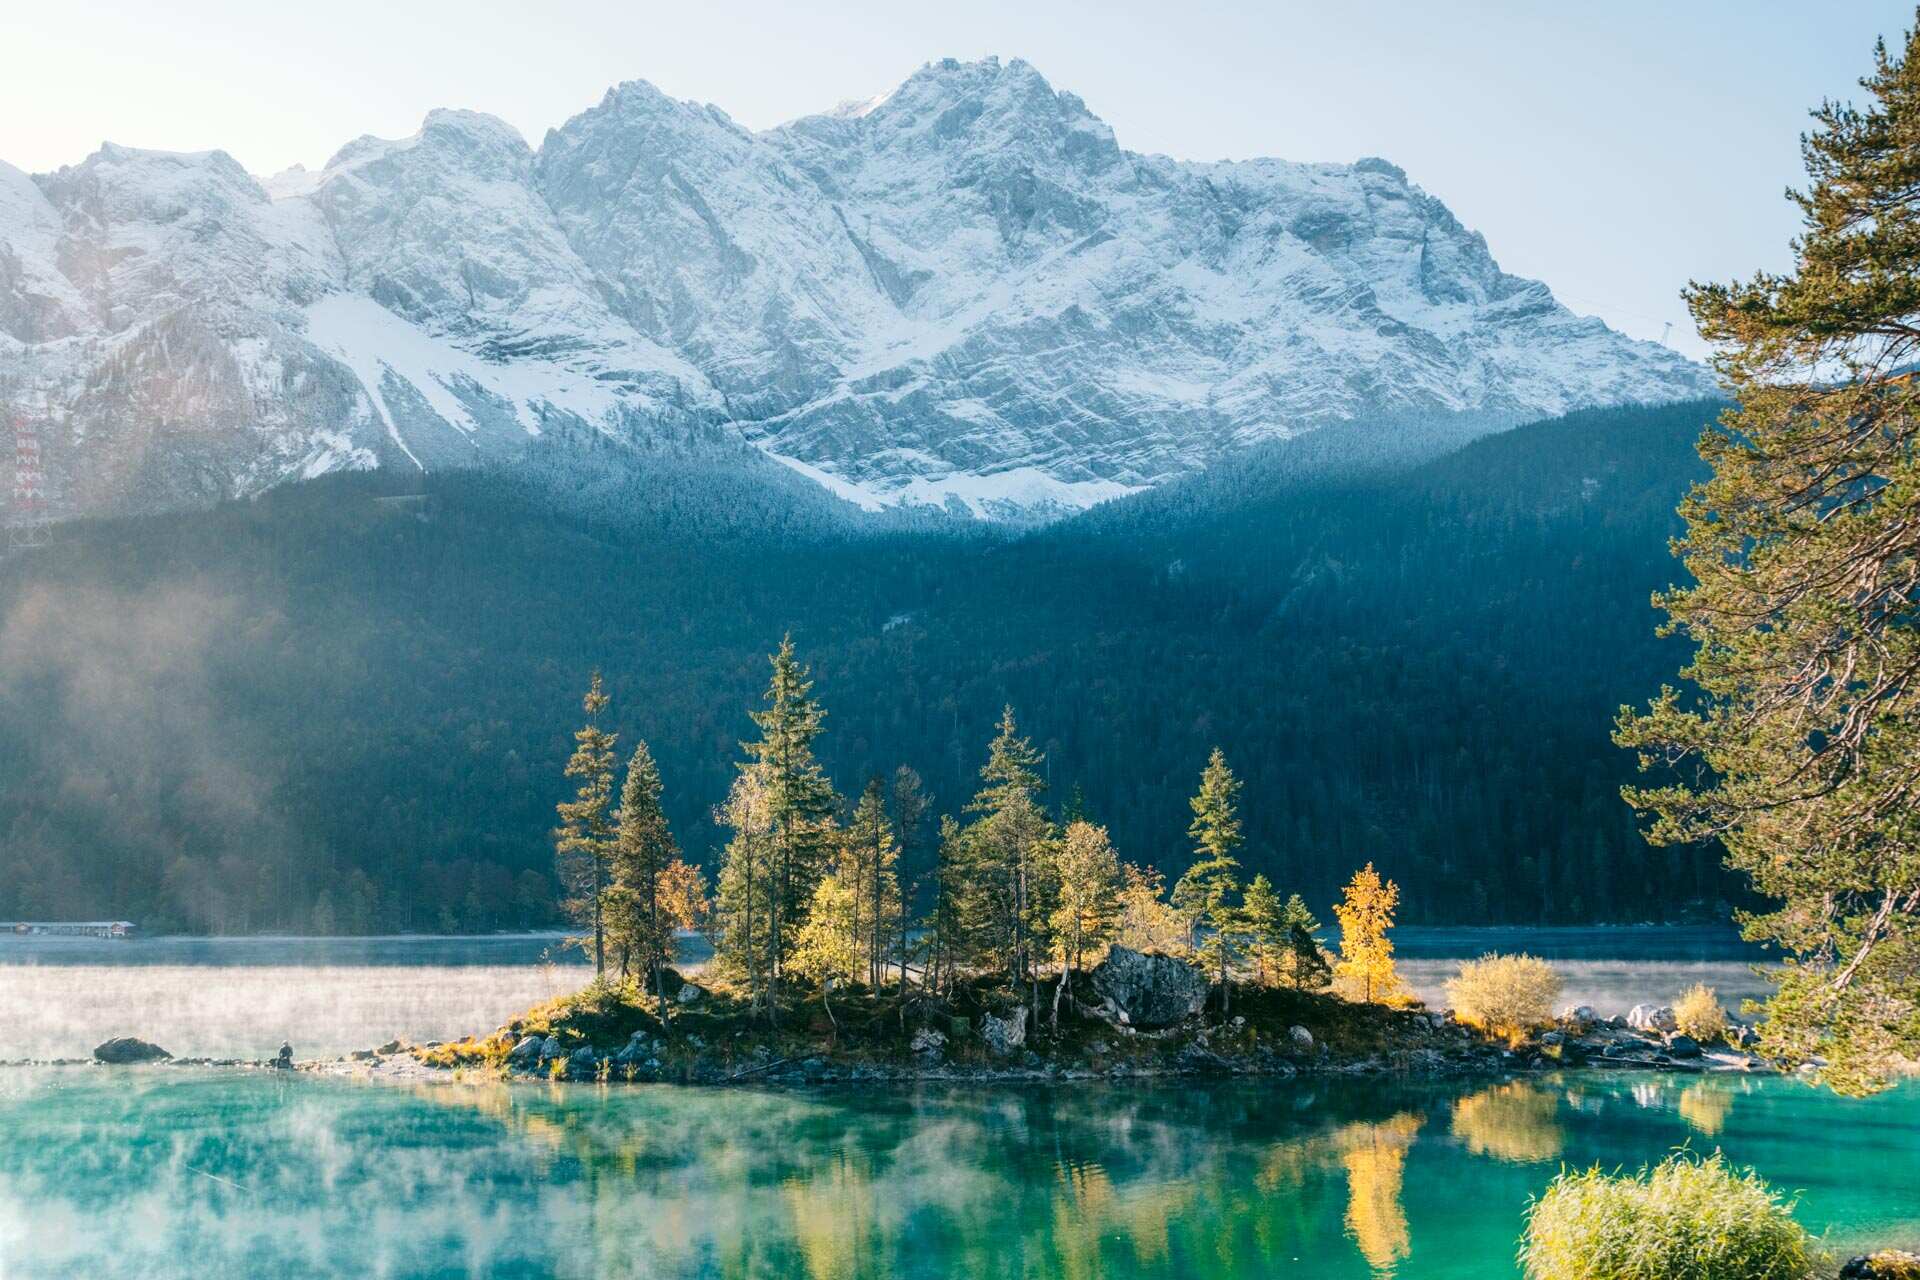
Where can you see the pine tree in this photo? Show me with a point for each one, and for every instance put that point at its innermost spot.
(584, 841)
(1205, 893)
(909, 804)
(1366, 953)
(869, 860)
(1263, 925)
(1799, 752)
(1004, 878)
(800, 800)
(643, 850)
(1302, 961)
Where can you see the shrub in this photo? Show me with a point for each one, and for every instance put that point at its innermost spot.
(1698, 1014)
(1684, 1219)
(1505, 995)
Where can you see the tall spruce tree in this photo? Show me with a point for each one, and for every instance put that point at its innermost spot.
(869, 861)
(908, 804)
(800, 800)
(1205, 893)
(1006, 878)
(643, 852)
(1798, 748)
(584, 841)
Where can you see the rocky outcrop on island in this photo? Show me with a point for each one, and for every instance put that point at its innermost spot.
(126, 1050)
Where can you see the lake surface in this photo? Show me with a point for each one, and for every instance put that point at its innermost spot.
(241, 997)
(165, 1172)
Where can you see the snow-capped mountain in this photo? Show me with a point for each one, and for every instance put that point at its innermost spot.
(964, 292)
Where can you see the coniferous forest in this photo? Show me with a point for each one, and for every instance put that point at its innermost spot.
(348, 708)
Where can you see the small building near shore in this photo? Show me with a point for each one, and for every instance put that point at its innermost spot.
(69, 928)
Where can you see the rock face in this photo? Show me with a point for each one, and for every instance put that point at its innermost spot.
(1005, 1034)
(1150, 990)
(964, 293)
(1649, 1017)
(126, 1049)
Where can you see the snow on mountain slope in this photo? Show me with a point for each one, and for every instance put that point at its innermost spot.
(963, 292)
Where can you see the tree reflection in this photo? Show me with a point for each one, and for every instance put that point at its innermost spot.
(1515, 1122)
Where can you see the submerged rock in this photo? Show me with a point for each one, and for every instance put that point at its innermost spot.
(123, 1050)
(1150, 990)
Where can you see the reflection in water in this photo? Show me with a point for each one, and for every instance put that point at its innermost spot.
(1513, 1121)
(171, 1172)
(1375, 1156)
(1705, 1105)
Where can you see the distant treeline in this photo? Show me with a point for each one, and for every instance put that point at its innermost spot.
(321, 711)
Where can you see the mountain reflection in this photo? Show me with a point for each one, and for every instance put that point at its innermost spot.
(174, 1172)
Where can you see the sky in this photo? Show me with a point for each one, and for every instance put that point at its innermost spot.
(1615, 151)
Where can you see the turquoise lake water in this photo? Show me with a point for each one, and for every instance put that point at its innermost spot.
(176, 1172)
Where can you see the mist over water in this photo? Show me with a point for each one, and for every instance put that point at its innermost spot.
(241, 997)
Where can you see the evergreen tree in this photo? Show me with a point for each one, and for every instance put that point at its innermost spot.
(869, 860)
(1205, 893)
(800, 800)
(1366, 953)
(909, 804)
(1302, 960)
(584, 841)
(1263, 927)
(1006, 888)
(1799, 752)
(643, 850)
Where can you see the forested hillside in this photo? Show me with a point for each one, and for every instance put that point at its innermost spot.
(338, 707)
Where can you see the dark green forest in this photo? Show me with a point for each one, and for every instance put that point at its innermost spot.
(345, 706)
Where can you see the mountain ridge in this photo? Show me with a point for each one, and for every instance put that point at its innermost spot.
(964, 293)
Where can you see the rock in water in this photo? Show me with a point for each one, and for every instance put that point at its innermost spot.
(284, 1059)
(1651, 1017)
(1004, 1035)
(1888, 1264)
(126, 1049)
(1150, 990)
(1679, 1046)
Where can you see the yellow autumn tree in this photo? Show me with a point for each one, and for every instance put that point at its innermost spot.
(1366, 971)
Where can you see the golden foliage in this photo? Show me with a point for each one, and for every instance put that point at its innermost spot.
(1698, 1013)
(1514, 1122)
(1366, 912)
(1505, 995)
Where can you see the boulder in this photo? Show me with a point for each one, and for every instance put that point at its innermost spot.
(1004, 1035)
(1301, 1037)
(1681, 1046)
(1150, 990)
(1651, 1017)
(637, 1050)
(284, 1059)
(691, 993)
(390, 1047)
(527, 1052)
(1579, 1015)
(928, 1043)
(550, 1049)
(1742, 1036)
(126, 1049)
(581, 1063)
(1888, 1264)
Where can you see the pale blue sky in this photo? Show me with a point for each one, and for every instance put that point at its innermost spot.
(1612, 150)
